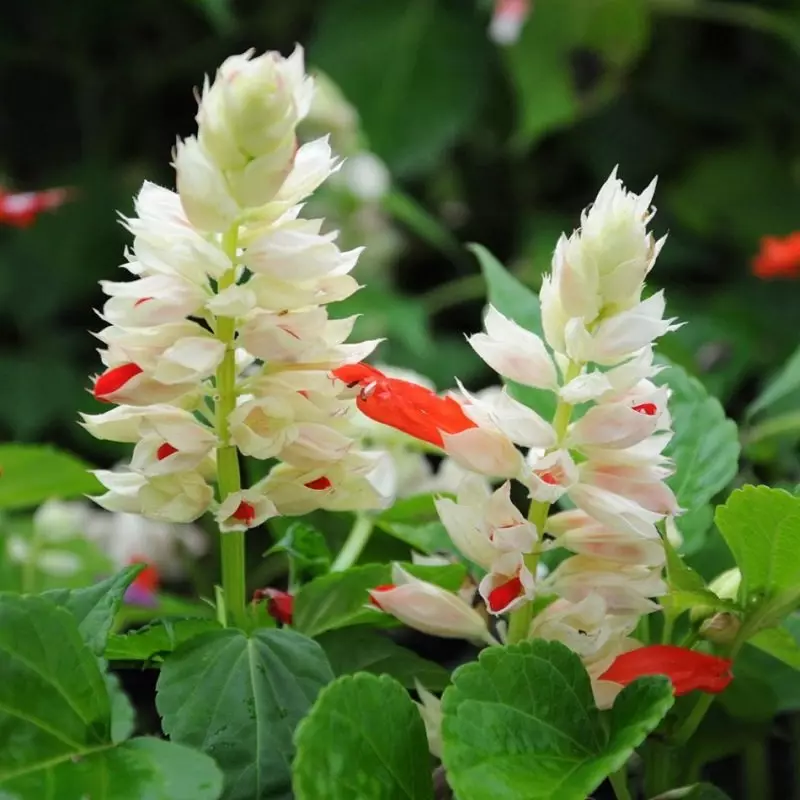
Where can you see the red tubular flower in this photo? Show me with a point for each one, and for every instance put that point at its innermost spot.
(280, 605)
(687, 669)
(405, 406)
(142, 592)
(778, 257)
(20, 209)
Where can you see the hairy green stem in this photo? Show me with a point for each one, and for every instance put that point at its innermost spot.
(354, 544)
(228, 480)
(520, 619)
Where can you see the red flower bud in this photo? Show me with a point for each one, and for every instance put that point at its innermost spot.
(687, 669)
(280, 605)
(245, 513)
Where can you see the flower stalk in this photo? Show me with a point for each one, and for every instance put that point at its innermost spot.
(228, 479)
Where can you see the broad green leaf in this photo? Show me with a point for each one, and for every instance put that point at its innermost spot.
(65, 720)
(540, 63)
(762, 528)
(781, 643)
(521, 304)
(156, 640)
(305, 548)
(414, 521)
(53, 701)
(521, 722)
(32, 474)
(238, 698)
(360, 649)
(785, 383)
(363, 739)
(411, 108)
(95, 607)
(341, 599)
(140, 768)
(705, 449)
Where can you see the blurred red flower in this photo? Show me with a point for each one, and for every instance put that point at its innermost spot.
(778, 257)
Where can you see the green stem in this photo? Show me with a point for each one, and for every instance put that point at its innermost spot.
(228, 480)
(354, 544)
(755, 765)
(669, 625)
(520, 620)
(619, 783)
(692, 722)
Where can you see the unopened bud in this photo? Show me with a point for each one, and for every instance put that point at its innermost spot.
(722, 628)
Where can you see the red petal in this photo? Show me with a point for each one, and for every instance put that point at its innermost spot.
(687, 669)
(385, 587)
(360, 374)
(319, 484)
(245, 513)
(778, 257)
(280, 605)
(648, 409)
(504, 594)
(165, 451)
(114, 379)
(414, 410)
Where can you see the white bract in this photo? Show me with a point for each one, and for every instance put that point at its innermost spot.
(230, 287)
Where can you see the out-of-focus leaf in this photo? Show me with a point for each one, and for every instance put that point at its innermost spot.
(414, 521)
(541, 62)
(306, 548)
(785, 383)
(31, 474)
(414, 69)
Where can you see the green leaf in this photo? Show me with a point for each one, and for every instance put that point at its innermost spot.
(52, 694)
(521, 304)
(238, 699)
(95, 607)
(363, 739)
(762, 528)
(705, 449)
(156, 640)
(411, 109)
(414, 521)
(359, 649)
(680, 601)
(341, 599)
(785, 383)
(139, 768)
(781, 643)
(32, 474)
(700, 791)
(680, 576)
(540, 63)
(65, 720)
(521, 722)
(306, 549)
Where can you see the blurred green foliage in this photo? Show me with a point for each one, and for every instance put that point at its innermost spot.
(501, 146)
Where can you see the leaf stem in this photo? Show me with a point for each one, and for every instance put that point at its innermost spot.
(619, 783)
(354, 544)
(692, 722)
(228, 479)
(520, 619)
